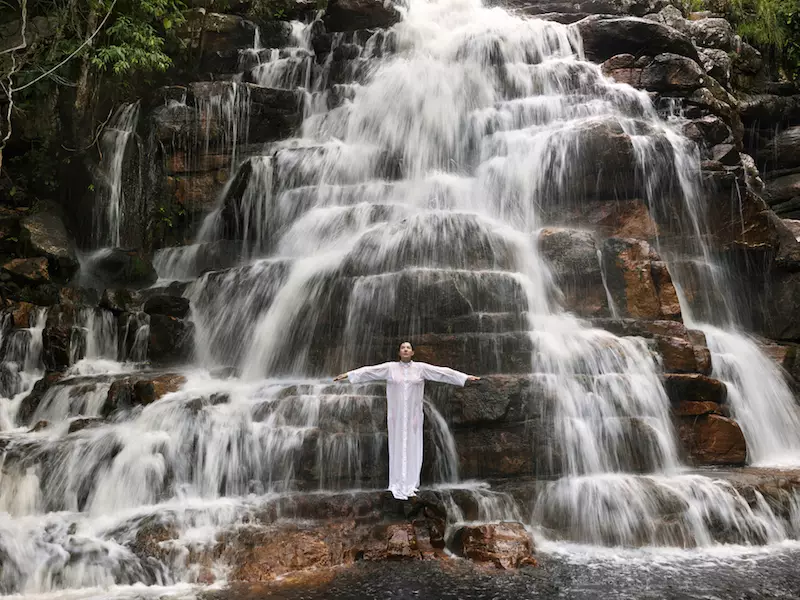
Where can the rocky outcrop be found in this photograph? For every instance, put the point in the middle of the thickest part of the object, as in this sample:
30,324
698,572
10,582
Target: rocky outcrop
350,15
505,545
711,439
117,267
607,37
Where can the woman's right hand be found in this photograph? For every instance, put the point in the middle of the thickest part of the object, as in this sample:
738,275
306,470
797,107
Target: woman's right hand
340,377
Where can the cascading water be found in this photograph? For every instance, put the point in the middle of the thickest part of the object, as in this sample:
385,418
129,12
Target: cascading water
409,205
112,210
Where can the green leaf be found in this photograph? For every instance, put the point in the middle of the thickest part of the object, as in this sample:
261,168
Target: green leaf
167,23
13,191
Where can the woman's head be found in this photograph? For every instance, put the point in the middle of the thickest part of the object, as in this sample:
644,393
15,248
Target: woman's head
406,351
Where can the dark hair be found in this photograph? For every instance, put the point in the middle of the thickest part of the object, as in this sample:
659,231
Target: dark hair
406,342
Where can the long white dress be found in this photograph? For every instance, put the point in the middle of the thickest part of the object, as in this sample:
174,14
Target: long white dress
405,387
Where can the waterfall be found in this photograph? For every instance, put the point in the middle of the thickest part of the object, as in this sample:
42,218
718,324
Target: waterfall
409,204
112,211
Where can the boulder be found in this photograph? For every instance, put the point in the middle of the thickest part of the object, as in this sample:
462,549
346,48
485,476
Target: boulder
119,300
786,148
574,259
605,37
709,130
27,271
638,281
56,347
679,355
694,388
30,403
165,304
84,423
713,32
782,188
115,267
506,545
717,63
171,340
712,439
350,15
696,409
133,391
665,73
44,234
612,218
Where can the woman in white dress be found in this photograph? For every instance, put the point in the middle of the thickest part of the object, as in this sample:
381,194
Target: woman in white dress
405,387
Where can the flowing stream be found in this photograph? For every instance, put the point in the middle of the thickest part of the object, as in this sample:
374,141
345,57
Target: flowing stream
409,204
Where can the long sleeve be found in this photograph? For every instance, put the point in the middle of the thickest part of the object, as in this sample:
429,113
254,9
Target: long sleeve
374,373
443,374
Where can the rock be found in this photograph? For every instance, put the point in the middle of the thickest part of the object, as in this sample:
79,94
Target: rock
21,314
786,148
605,37
638,281
712,440
505,545
679,355
349,15
133,391
614,218
84,423
27,271
708,130
665,73
171,340
39,425
695,409
119,300
164,304
712,32
725,154
574,259
44,234
115,267
783,188
197,192
56,347
694,388
402,541
794,227
717,63
30,403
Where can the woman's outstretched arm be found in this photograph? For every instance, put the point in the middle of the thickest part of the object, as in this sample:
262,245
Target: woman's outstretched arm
445,375
365,374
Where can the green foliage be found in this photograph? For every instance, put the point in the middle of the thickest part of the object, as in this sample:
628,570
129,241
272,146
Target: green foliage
135,40
774,27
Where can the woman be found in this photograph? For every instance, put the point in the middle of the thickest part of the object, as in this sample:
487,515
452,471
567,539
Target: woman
405,385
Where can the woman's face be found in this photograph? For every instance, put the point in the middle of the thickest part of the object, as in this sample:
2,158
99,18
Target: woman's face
406,351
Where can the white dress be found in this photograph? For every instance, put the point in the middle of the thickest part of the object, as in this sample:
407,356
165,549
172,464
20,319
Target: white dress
405,386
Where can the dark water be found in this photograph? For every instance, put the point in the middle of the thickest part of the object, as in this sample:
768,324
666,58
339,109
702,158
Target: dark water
763,575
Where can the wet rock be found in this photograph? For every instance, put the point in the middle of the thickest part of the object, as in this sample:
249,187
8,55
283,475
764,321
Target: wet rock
695,409
44,234
717,63
638,280
665,73
31,402
39,425
679,355
708,130
693,387
605,37
21,314
575,262
171,340
712,32
128,392
505,545
712,440
56,347
725,154
116,267
197,192
786,148
783,188
25,271
164,304
613,218
349,15
120,300
84,423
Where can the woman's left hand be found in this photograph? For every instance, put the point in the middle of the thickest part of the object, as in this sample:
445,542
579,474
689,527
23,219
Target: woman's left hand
473,378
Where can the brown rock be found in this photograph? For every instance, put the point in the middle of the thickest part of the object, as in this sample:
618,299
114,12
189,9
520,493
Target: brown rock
402,541
623,219
84,423
28,270
198,191
693,409
21,314
505,545
181,162
680,355
692,387
712,440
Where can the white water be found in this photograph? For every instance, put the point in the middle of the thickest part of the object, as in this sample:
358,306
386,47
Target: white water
111,211
419,175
